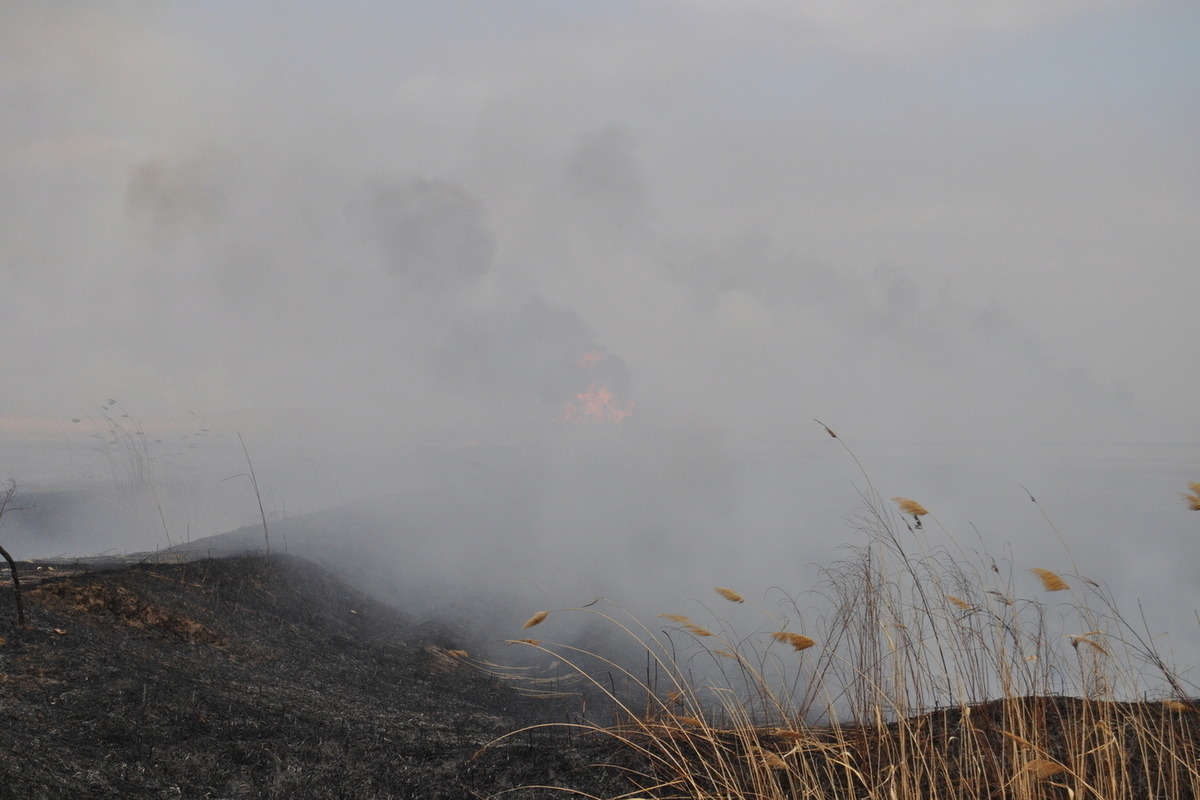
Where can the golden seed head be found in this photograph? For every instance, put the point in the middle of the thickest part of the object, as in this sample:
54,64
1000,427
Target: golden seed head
680,618
729,594
796,640
910,506
536,619
958,602
1051,582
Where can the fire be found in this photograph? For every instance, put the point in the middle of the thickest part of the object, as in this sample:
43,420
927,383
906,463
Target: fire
596,405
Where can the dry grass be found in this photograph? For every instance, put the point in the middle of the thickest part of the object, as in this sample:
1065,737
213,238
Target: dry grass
1051,581
926,675
729,594
1192,498
910,506
536,619
797,641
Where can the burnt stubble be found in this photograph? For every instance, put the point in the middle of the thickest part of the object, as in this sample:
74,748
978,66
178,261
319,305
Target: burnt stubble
262,677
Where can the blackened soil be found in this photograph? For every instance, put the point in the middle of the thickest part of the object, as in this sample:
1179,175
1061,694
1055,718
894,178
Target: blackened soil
257,677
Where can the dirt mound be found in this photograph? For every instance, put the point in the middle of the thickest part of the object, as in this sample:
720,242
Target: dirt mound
256,677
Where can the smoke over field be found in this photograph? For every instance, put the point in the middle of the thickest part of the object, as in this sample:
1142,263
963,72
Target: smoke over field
545,299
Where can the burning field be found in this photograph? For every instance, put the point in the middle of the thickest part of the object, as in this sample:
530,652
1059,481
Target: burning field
257,677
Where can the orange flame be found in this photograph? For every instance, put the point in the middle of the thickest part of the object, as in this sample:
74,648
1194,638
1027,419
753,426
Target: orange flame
596,405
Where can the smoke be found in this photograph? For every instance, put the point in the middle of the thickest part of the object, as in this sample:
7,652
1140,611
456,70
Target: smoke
432,234
558,295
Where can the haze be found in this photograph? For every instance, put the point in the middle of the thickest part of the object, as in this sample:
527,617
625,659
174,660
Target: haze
575,279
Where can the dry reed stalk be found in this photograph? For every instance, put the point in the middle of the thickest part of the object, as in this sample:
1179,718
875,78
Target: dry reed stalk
536,619
729,594
925,694
1051,581
1044,768
1077,640
692,721
1019,740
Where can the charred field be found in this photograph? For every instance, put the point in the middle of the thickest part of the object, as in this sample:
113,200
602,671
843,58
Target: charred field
252,676
910,671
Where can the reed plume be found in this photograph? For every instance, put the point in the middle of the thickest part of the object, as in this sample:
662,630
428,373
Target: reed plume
729,594
797,641
1051,582
910,506
1193,499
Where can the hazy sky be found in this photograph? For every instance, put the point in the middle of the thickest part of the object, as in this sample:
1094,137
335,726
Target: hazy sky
923,220
379,223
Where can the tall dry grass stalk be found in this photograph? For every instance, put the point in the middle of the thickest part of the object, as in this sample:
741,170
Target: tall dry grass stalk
923,673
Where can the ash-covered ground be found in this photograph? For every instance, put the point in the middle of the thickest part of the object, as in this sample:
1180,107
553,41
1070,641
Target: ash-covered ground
252,676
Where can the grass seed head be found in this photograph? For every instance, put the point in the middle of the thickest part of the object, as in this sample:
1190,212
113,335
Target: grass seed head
1051,582
1193,499
958,602
729,594
910,506
796,640
536,619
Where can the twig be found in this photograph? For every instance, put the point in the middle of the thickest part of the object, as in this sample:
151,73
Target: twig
257,494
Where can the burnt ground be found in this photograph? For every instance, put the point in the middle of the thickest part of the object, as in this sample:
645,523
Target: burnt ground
260,677
264,677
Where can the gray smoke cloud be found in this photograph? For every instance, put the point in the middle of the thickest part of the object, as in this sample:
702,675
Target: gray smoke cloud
559,292
432,234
